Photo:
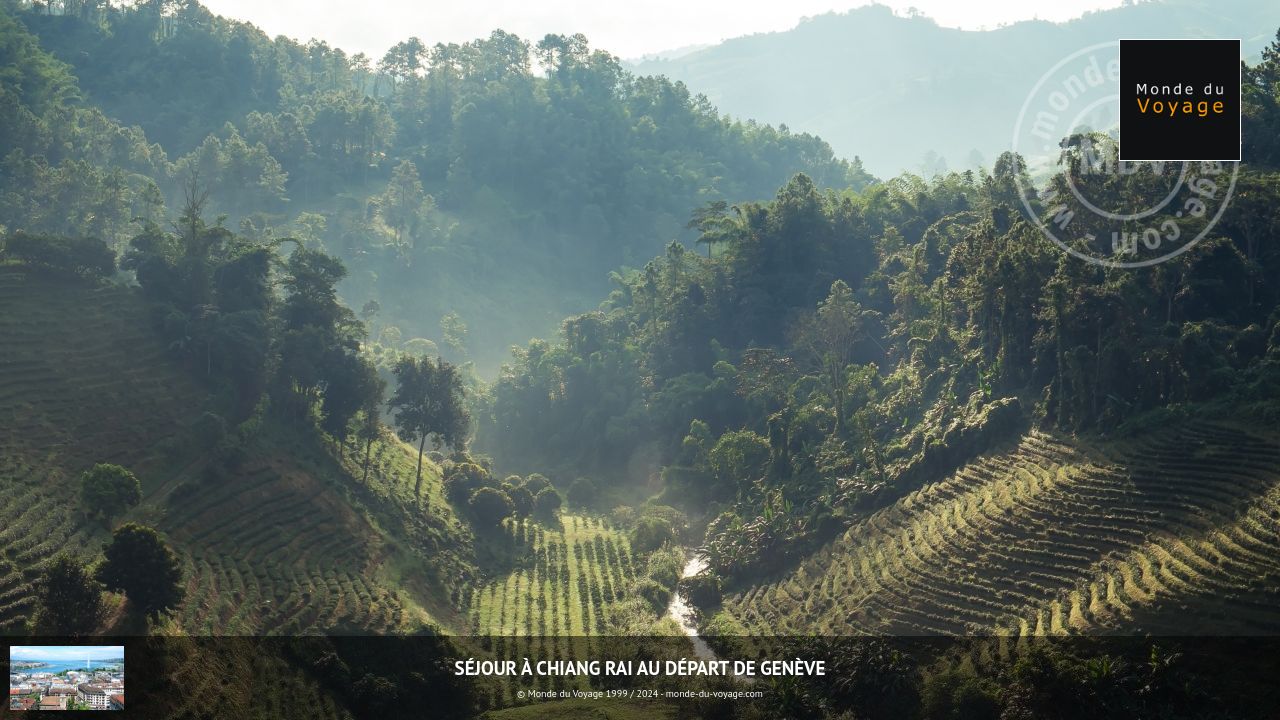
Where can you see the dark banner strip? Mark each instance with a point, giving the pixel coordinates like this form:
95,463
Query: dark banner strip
738,677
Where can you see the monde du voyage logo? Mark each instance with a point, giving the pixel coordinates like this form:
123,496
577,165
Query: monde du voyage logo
1132,148
1180,100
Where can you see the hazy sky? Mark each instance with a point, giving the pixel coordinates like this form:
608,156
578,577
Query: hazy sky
66,652
628,29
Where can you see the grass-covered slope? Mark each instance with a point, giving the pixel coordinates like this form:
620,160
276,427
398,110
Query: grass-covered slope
292,540
1173,533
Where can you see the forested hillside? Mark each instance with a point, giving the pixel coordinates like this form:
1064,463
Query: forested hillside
418,168
834,351
938,97
250,290
273,521
272,534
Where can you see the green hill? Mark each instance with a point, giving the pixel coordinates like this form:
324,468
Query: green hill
294,540
1172,533
289,542
462,182
832,402
83,382
891,89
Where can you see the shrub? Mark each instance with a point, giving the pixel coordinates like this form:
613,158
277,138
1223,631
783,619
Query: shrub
70,599
955,695
108,490
651,533
536,483
654,593
232,452
490,506
634,616
679,521
724,625
463,479
583,492
82,257
703,589
738,458
961,442
140,564
665,567
522,499
547,502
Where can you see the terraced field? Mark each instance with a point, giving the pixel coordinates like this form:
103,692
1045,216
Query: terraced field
281,546
1051,539
273,552
562,591
67,400
553,605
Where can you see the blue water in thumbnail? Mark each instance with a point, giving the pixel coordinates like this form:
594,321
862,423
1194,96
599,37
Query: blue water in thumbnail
57,666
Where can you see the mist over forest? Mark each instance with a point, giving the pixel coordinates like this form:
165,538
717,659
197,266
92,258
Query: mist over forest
935,95
453,180
327,369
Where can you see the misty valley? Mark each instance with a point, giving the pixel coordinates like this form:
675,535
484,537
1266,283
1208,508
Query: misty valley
478,379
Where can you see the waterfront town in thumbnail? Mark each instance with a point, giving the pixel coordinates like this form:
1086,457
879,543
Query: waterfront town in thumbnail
66,677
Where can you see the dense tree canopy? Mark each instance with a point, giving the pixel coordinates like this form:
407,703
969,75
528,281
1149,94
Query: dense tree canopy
140,564
108,490
428,403
836,343
421,167
70,599
833,348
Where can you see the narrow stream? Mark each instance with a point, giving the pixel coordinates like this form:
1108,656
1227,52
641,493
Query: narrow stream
684,614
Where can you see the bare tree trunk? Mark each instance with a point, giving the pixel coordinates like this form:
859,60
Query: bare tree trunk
368,447
873,446
417,486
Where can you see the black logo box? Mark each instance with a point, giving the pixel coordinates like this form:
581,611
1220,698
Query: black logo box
1185,64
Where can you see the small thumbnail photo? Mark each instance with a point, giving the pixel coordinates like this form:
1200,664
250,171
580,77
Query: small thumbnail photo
66,677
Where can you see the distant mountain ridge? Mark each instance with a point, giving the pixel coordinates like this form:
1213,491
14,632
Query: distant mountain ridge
934,89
